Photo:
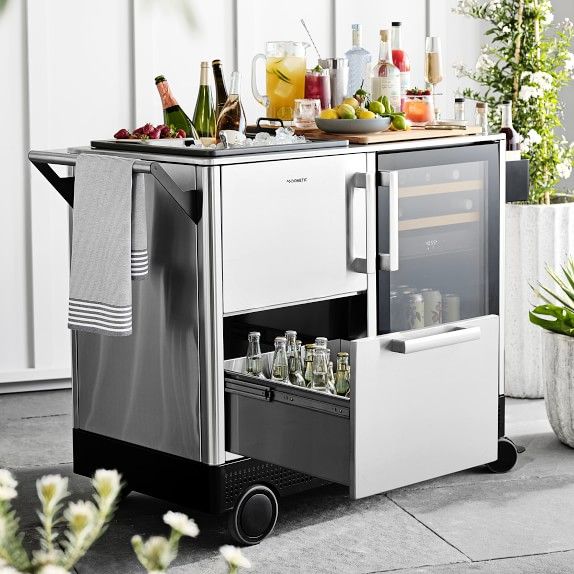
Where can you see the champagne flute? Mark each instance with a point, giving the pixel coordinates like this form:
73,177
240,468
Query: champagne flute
433,66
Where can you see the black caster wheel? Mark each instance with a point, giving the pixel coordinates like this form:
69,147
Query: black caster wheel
254,515
507,456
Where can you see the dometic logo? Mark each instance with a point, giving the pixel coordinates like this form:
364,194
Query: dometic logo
297,180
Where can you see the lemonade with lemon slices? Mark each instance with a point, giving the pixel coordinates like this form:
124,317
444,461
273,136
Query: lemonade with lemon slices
285,83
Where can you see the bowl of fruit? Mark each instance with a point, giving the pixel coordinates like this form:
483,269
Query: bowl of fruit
359,115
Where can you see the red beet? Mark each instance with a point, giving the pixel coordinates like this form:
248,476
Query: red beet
122,134
180,134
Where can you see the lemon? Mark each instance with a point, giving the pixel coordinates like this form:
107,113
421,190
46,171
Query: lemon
365,115
346,112
351,102
329,114
377,107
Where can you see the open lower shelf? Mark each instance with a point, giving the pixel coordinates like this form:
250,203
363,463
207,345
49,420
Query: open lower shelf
439,220
440,188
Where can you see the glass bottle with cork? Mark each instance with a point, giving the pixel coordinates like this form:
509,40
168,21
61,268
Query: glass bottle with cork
400,57
220,89
173,114
386,77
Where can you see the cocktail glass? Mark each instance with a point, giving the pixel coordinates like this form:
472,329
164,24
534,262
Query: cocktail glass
318,86
305,112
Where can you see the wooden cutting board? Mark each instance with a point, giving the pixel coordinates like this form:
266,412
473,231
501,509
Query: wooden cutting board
389,136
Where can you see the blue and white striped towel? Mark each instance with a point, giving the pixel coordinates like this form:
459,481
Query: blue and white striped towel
109,244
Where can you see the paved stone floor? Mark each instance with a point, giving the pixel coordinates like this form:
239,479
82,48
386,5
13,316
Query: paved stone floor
473,521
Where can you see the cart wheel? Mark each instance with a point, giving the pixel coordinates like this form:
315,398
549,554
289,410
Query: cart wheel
254,515
507,456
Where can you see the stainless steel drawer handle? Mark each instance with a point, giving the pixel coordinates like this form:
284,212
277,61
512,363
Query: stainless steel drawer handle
390,182
452,337
364,181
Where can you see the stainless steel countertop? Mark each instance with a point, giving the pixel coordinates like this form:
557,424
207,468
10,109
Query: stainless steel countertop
254,157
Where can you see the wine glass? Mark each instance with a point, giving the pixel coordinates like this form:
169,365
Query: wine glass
433,66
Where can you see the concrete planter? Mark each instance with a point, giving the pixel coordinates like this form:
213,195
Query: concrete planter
536,235
558,367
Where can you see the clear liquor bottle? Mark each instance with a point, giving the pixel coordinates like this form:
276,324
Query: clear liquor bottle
386,77
232,116
204,115
254,358
280,368
173,114
359,62
400,57
343,376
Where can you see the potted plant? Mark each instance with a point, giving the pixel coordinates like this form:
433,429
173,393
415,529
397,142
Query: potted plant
528,61
556,317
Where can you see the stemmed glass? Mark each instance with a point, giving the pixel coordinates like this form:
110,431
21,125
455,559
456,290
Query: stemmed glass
433,66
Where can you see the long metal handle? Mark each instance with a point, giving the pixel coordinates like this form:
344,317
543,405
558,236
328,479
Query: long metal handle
188,202
390,182
366,265
453,337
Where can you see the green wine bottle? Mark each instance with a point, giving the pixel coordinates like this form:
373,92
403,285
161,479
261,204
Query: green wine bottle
173,115
204,115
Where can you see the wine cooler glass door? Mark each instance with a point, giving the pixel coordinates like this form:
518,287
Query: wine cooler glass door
438,236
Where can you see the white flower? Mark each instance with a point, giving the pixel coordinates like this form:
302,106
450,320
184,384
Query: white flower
569,63
483,63
7,493
541,79
80,515
525,145
156,553
534,137
51,489
6,479
181,523
107,484
234,557
8,570
529,92
548,19
564,170
51,569
459,69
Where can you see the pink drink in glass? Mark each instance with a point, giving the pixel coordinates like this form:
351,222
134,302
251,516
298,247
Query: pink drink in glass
318,87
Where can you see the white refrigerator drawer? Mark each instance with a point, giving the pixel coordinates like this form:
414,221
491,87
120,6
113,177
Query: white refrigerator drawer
293,231
423,404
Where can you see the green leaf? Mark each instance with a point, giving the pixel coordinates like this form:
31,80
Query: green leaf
553,318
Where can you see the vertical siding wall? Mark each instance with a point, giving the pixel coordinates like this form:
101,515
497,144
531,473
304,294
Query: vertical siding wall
76,71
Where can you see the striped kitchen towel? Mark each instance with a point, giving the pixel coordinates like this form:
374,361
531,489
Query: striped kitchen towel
109,244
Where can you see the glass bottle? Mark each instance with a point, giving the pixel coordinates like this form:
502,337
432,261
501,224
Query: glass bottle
343,376
400,57
459,109
173,115
359,63
220,89
512,142
320,370
330,379
309,358
386,77
321,342
254,358
299,353
294,360
280,368
204,115
232,116
481,118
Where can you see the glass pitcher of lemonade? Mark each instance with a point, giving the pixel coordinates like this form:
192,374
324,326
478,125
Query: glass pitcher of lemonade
285,78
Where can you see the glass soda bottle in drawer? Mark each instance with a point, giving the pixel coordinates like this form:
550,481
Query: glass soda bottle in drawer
254,358
294,360
320,370
343,376
280,368
309,358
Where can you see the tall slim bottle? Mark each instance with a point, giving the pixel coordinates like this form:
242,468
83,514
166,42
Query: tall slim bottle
359,63
507,128
232,116
400,57
386,77
254,358
204,115
220,89
173,114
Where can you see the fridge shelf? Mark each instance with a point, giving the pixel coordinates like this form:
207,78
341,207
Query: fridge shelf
439,221
440,188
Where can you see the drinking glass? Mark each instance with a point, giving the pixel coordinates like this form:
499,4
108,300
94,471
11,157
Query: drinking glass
318,86
433,66
305,112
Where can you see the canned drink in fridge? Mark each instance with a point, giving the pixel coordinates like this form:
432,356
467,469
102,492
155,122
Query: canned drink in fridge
415,311
451,308
433,307
403,311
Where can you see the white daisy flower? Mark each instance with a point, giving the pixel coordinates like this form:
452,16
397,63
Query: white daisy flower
107,484
234,557
181,523
80,515
51,489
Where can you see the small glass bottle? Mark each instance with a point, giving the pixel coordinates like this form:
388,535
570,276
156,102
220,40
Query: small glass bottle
280,368
320,370
294,360
299,353
512,142
321,342
254,358
343,376
400,58
330,379
309,358
481,118
386,77
459,109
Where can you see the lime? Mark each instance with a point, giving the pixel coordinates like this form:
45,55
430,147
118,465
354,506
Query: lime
399,122
346,112
377,108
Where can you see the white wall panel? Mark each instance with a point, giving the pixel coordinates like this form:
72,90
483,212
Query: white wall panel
260,21
15,308
172,38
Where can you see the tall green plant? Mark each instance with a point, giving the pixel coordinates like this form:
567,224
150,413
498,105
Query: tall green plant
528,61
